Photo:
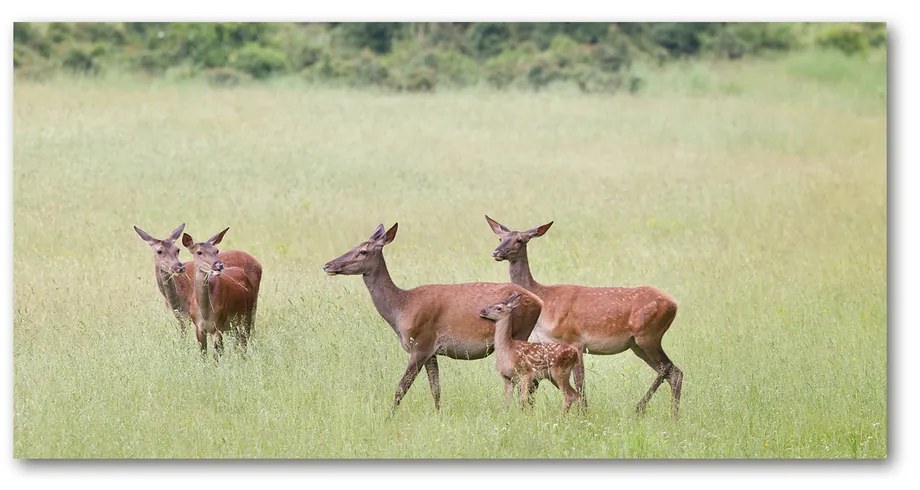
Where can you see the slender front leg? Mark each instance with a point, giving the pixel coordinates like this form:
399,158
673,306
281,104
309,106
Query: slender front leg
509,390
202,340
218,344
415,364
183,322
524,384
431,366
579,375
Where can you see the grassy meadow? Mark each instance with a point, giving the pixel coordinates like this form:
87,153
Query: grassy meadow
752,192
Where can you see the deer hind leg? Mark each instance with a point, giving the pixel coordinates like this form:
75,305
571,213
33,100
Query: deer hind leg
676,380
560,378
579,375
655,357
183,323
431,367
527,385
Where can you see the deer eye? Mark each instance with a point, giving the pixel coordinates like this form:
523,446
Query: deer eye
159,251
199,252
362,252
519,240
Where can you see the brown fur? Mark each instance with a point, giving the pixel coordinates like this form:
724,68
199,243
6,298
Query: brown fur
596,320
436,319
522,363
224,298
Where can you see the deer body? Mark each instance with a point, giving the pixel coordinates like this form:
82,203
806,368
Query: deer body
436,319
597,320
224,298
520,363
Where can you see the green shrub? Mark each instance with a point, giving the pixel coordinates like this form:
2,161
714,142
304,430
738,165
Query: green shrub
376,36
224,77
82,61
259,61
847,38
489,39
680,38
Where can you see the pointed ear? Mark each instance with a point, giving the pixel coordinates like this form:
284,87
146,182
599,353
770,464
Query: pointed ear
176,233
378,233
513,300
497,227
391,234
144,236
540,230
187,240
214,240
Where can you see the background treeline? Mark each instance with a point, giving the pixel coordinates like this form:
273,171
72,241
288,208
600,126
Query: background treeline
595,57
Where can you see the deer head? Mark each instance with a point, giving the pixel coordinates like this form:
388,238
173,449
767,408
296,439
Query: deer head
165,252
512,243
365,257
205,253
501,309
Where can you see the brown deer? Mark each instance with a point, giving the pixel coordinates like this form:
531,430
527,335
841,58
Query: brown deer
520,363
224,297
436,319
596,320
174,278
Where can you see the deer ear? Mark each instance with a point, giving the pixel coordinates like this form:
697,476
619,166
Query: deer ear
176,233
378,232
497,227
187,240
144,235
391,234
513,300
540,230
214,240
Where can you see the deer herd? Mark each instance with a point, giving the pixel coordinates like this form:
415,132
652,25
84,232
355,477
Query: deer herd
536,331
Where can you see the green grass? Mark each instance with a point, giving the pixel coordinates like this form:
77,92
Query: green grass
761,208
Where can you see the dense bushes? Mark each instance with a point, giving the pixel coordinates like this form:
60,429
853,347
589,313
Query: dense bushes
419,57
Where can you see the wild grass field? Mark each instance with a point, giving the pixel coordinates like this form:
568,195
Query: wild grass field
753,192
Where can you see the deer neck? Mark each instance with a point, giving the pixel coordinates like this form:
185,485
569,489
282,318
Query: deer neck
388,298
520,272
503,347
204,284
169,286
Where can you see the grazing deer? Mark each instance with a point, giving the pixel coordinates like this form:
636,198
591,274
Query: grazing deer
224,297
174,278
520,363
436,319
596,320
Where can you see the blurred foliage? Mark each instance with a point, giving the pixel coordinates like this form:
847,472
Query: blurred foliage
416,57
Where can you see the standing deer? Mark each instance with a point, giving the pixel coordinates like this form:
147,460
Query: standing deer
174,278
225,297
520,363
596,320
436,319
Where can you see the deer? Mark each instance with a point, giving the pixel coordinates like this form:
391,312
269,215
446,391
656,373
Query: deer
435,319
520,363
174,278
596,320
224,298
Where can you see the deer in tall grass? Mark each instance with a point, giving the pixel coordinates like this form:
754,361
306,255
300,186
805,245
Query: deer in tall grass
224,298
520,363
436,319
174,278
596,320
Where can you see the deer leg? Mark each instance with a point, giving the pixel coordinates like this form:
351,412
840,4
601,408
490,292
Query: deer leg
527,385
658,361
509,390
415,364
202,340
579,374
676,380
431,367
218,344
182,323
569,394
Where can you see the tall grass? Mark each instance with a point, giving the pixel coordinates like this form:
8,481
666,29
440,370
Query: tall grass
760,208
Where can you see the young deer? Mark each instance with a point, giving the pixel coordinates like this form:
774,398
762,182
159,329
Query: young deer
174,278
225,298
596,320
436,319
521,363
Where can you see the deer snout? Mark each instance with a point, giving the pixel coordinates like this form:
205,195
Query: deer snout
497,254
329,268
218,266
180,268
